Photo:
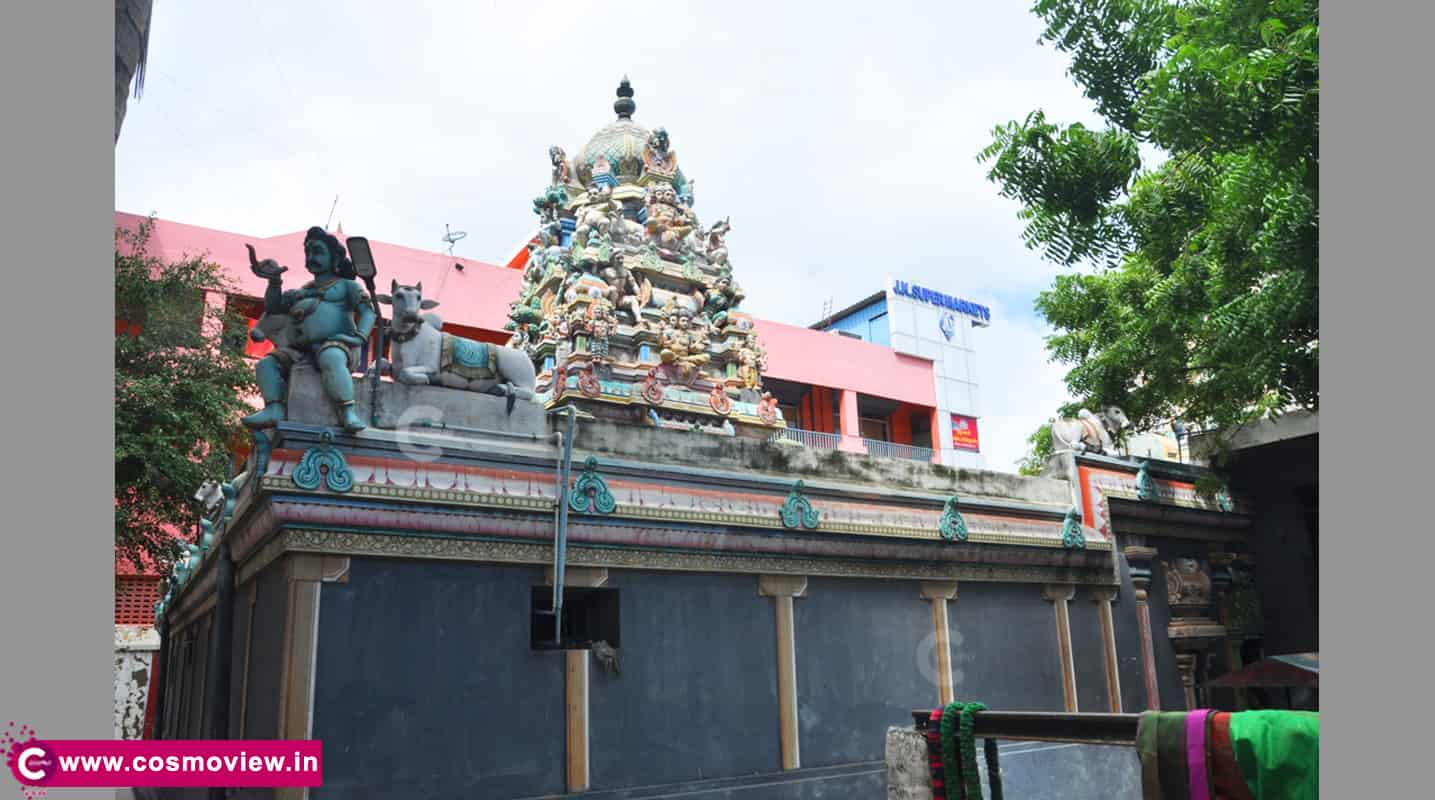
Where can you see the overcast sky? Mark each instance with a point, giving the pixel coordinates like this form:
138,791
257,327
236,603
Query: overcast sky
840,138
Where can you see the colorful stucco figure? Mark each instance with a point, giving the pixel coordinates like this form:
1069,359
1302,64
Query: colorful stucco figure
628,305
323,320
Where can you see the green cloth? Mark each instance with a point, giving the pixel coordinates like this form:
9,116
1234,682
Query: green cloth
1161,744
1146,748
1171,755
1278,753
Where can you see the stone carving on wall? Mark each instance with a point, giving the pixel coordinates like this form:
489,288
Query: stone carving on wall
1187,584
1089,432
322,323
1188,595
628,304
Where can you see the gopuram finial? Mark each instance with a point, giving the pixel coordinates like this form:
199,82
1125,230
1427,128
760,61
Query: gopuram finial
624,105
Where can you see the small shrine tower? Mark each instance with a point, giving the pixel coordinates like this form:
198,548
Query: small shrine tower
629,307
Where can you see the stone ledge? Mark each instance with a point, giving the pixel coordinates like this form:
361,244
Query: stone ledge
402,404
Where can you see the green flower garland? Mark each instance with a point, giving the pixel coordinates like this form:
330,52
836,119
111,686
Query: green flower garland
970,775
951,765
959,733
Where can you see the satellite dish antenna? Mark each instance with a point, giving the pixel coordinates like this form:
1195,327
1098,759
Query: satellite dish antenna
450,237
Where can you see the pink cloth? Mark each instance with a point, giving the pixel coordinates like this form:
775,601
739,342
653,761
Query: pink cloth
1196,754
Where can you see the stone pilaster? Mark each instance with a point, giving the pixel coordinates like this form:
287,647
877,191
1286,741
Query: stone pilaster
1059,594
307,572
576,662
1139,559
1104,597
1186,666
938,593
782,589
1221,579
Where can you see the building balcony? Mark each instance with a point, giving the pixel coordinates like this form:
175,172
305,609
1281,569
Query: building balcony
815,440
877,448
880,449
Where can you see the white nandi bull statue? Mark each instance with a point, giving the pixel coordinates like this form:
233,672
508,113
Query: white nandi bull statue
1088,433
423,354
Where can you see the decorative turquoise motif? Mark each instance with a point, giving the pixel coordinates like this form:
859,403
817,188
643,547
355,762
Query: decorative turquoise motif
952,526
1071,536
263,446
797,511
1224,501
1145,485
323,464
590,492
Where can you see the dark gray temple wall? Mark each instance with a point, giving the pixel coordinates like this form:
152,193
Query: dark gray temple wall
1004,651
1087,653
861,647
266,653
697,693
431,661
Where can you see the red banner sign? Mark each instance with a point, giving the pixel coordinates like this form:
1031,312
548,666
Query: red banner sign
964,433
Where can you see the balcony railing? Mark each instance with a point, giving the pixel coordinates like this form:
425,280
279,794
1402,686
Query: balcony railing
881,449
813,439
875,447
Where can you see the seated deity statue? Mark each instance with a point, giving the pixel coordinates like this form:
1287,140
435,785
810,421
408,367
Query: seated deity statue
328,315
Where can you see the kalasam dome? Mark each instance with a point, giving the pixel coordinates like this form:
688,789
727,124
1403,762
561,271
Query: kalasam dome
620,142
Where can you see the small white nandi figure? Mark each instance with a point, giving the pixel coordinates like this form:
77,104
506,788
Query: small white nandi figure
1089,432
423,354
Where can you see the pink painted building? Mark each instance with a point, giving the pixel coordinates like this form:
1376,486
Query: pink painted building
835,391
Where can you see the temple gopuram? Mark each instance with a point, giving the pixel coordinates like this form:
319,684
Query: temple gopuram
582,563
629,304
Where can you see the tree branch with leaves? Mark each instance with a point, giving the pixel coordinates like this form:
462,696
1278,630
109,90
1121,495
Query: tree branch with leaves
180,386
1197,281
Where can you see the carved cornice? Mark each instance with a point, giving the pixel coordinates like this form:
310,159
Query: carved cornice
526,552
1165,501
921,524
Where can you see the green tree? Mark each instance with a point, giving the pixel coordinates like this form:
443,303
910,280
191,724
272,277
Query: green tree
1196,281
1040,450
180,384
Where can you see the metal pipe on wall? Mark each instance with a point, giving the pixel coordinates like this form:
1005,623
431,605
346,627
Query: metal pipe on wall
560,533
